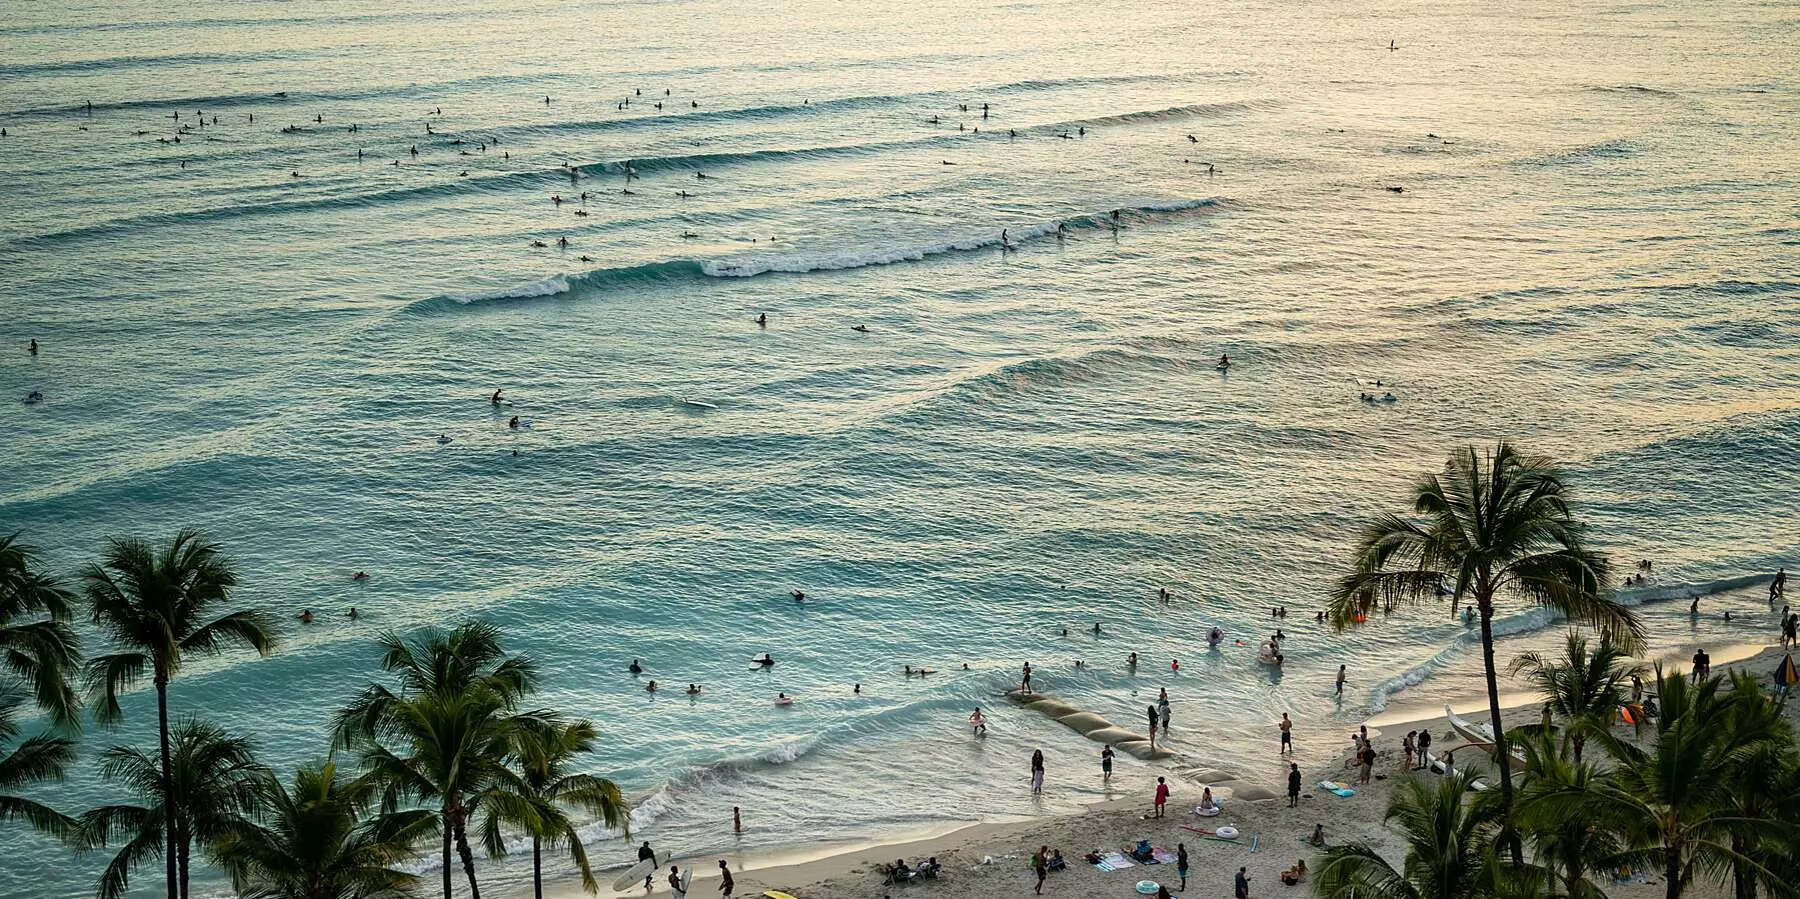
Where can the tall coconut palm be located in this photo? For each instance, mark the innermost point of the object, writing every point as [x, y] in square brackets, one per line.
[444, 734]
[206, 789]
[1582, 688]
[1450, 839]
[156, 607]
[322, 839]
[1494, 526]
[1673, 801]
[537, 790]
[36, 644]
[32, 760]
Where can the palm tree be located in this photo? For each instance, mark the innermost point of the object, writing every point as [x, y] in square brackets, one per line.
[36, 658]
[42, 652]
[445, 734]
[1583, 688]
[322, 839]
[206, 786]
[1674, 802]
[1450, 837]
[1762, 777]
[154, 607]
[40, 758]
[1567, 837]
[536, 791]
[1496, 526]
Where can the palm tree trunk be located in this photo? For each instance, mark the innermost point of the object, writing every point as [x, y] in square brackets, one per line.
[1671, 871]
[468, 858]
[537, 869]
[1485, 604]
[1743, 884]
[447, 837]
[183, 846]
[168, 783]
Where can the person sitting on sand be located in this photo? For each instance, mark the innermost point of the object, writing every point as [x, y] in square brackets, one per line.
[1294, 874]
[1207, 803]
[1318, 836]
[1056, 860]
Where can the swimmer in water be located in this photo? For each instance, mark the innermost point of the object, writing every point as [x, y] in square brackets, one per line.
[762, 319]
[797, 595]
[32, 348]
[650, 687]
[693, 690]
[443, 438]
[635, 668]
[514, 424]
[360, 576]
[1224, 361]
[861, 328]
[585, 258]
[306, 616]
[495, 399]
[562, 241]
[352, 615]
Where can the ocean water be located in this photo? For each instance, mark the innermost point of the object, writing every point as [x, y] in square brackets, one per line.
[259, 333]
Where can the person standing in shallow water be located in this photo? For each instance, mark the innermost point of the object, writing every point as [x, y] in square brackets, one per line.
[1287, 734]
[1037, 771]
[1106, 763]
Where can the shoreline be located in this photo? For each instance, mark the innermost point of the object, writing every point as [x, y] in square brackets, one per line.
[973, 852]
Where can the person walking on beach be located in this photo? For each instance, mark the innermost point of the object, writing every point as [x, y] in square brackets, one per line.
[675, 883]
[1037, 771]
[1424, 748]
[1150, 712]
[1293, 784]
[1040, 865]
[1181, 864]
[1777, 587]
[1240, 888]
[1106, 760]
[1340, 680]
[645, 854]
[1367, 758]
[1409, 745]
[1162, 708]
[726, 885]
[1287, 734]
[1162, 795]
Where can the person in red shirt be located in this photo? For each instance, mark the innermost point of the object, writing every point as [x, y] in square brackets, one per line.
[1162, 795]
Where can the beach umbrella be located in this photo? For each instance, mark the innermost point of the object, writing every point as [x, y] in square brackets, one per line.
[1785, 675]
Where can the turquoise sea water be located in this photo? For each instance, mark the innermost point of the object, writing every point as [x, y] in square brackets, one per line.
[1594, 253]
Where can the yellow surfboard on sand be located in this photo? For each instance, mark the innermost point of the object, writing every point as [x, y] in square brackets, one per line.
[777, 894]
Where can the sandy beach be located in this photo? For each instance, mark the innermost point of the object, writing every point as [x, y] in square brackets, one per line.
[993, 858]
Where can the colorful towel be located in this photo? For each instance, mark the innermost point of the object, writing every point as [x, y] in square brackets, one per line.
[1113, 861]
[1164, 856]
[1336, 789]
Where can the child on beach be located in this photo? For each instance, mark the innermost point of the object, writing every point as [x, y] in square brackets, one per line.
[1293, 784]
[1162, 795]
[1106, 760]
[1151, 713]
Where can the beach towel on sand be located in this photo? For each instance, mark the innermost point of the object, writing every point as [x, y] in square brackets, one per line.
[1113, 861]
[1163, 856]
[1336, 789]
